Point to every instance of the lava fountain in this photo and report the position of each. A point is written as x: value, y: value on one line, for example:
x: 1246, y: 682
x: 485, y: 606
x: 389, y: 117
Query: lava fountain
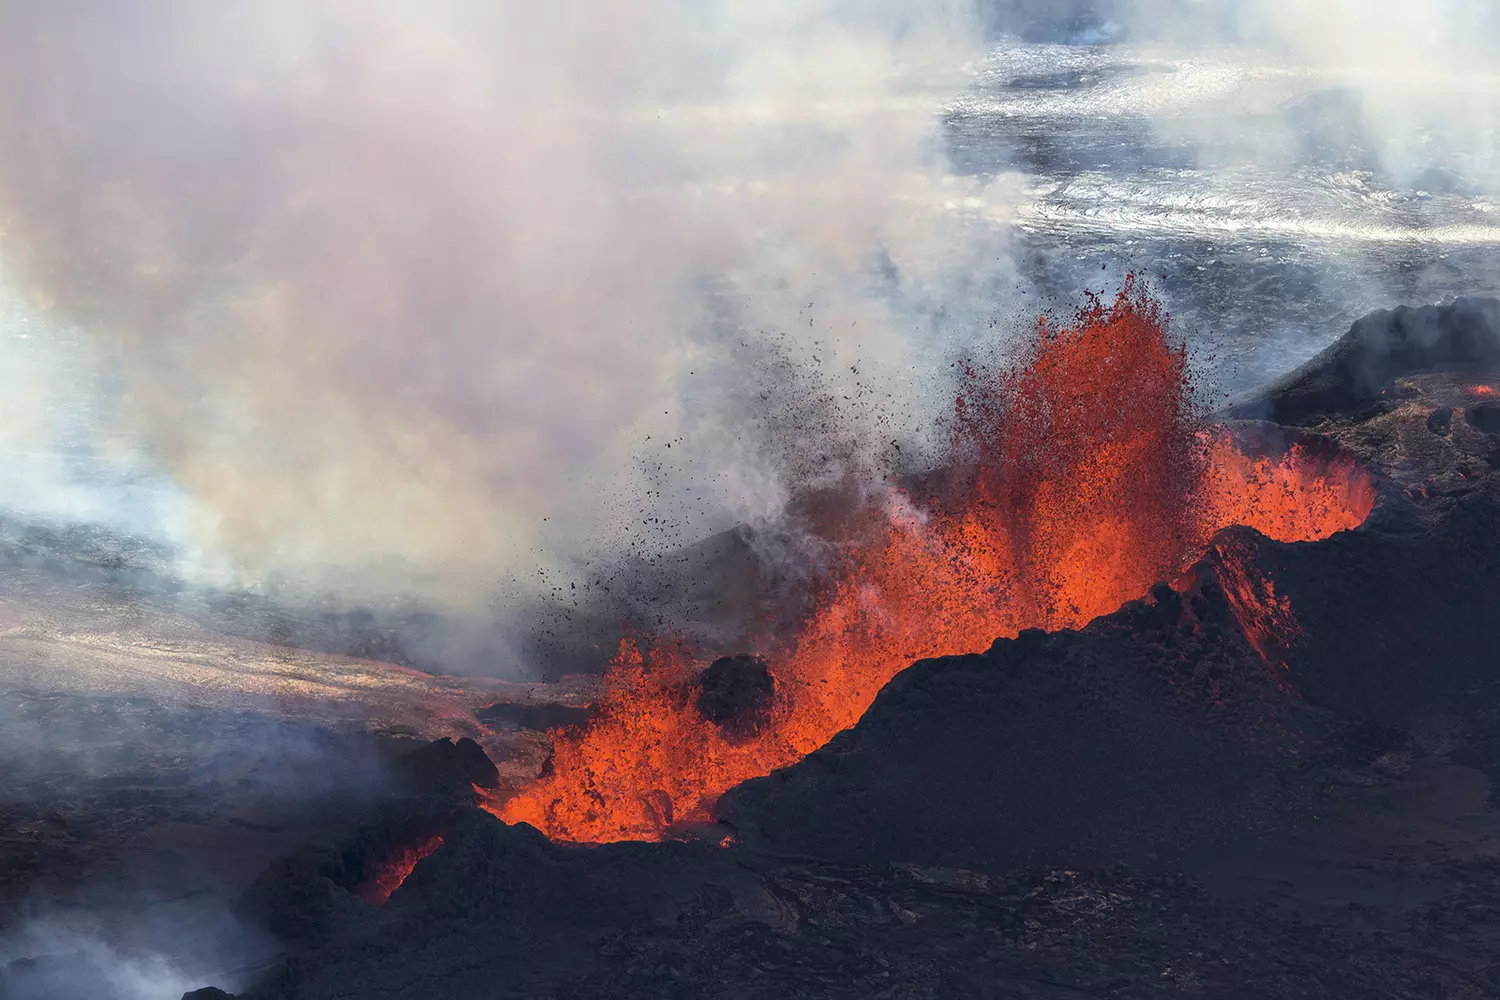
x: 1082, y: 475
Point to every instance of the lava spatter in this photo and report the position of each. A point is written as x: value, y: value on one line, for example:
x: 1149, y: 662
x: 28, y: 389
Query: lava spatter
x: 394, y: 870
x: 1298, y: 497
x: 1081, y: 476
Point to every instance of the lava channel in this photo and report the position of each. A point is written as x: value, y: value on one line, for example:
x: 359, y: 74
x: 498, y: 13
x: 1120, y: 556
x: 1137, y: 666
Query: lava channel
x: 1081, y: 476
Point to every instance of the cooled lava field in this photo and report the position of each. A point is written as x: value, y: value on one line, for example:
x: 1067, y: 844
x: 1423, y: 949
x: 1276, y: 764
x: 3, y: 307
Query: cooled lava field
x: 1265, y: 772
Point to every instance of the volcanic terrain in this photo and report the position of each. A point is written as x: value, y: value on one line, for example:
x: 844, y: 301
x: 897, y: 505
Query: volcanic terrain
x: 1199, y: 708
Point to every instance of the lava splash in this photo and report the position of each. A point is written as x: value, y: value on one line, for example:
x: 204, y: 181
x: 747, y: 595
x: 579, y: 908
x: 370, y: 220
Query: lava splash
x: 1082, y: 475
x: 395, y: 869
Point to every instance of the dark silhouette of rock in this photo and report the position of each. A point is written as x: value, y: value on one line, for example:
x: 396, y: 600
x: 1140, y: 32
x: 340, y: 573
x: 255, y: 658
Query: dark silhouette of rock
x: 736, y: 693
x: 444, y: 767
x: 208, y: 993
x: 1153, y: 731
x: 1352, y: 372
x: 307, y: 895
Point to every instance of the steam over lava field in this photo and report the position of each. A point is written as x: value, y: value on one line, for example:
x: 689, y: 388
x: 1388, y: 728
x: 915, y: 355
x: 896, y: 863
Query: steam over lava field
x: 792, y: 499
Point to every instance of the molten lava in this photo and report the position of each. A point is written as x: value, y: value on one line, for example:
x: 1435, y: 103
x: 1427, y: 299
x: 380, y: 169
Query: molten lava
x: 1081, y: 476
x: 1299, y: 497
x: 1265, y: 616
x: 393, y: 871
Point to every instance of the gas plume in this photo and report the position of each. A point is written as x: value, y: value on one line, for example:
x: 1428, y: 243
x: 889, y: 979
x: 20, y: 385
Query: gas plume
x: 413, y: 297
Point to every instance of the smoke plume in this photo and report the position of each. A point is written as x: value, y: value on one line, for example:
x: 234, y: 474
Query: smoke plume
x: 415, y: 296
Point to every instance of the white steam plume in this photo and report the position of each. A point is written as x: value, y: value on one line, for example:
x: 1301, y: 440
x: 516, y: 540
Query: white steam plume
x: 384, y: 286
x: 1423, y: 73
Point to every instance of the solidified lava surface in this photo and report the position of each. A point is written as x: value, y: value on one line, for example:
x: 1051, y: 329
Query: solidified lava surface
x: 1081, y: 475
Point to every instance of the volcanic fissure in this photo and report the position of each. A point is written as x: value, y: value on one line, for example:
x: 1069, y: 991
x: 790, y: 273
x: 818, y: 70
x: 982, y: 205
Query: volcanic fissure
x: 1082, y: 474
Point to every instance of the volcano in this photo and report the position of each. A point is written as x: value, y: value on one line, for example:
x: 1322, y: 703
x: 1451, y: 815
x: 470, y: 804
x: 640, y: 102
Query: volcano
x: 1130, y: 700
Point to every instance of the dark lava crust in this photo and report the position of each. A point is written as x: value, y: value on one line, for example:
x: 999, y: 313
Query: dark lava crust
x: 1150, y: 806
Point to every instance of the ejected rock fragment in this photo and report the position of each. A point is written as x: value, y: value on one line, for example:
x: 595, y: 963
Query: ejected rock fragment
x: 736, y: 694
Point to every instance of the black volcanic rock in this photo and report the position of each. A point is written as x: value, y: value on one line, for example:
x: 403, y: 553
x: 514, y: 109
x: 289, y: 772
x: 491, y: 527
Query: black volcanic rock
x: 1440, y: 421
x: 736, y: 694
x: 1150, y: 732
x: 1400, y: 620
x: 307, y: 895
x: 1355, y: 369
x: 503, y: 911
x: 1483, y: 417
x: 446, y: 767
x: 208, y: 993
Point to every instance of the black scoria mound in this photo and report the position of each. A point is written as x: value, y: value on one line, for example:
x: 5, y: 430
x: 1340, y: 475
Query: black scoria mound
x: 305, y: 897
x: 1150, y: 732
x: 1361, y: 365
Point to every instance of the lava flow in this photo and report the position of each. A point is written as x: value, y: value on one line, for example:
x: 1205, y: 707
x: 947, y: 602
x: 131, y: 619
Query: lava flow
x: 1081, y: 476
x: 394, y: 870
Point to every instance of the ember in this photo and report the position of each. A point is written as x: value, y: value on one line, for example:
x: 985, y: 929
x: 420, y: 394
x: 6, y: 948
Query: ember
x: 394, y: 870
x: 1082, y: 476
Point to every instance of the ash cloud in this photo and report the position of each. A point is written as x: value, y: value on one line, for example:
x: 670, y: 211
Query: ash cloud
x: 413, y: 297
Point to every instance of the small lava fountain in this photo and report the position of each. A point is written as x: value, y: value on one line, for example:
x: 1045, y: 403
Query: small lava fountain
x: 1082, y: 475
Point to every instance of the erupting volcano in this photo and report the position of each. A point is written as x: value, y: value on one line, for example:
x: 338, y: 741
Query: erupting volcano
x: 1081, y: 475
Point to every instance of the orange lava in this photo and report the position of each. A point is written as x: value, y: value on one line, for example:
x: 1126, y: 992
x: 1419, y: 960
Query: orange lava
x: 1296, y: 498
x: 1082, y: 476
x: 394, y: 870
x: 1265, y: 616
x: 1483, y: 390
